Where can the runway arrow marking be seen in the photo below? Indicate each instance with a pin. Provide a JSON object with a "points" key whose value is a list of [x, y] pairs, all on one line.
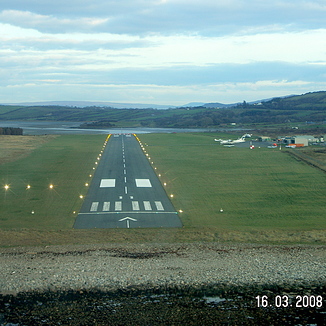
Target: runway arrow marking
{"points": [[128, 219]]}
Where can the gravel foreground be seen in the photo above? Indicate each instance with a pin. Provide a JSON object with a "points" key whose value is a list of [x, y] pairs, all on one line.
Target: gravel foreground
{"points": [[162, 284]]}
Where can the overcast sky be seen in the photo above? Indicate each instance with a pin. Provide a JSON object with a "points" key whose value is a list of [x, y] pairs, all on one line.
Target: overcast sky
{"points": [[160, 51]]}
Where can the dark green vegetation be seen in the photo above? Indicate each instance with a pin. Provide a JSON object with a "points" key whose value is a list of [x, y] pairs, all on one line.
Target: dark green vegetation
{"points": [[305, 109], [261, 189], [210, 305], [10, 131]]}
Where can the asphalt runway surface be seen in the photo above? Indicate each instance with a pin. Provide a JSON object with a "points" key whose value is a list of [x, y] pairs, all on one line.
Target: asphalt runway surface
{"points": [[125, 191]]}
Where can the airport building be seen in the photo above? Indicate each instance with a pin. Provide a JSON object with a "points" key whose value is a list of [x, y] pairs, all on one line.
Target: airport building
{"points": [[301, 140], [264, 138]]}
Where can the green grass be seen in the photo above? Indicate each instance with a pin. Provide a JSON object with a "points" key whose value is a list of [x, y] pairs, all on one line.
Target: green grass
{"points": [[266, 195], [65, 162], [260, 189]]}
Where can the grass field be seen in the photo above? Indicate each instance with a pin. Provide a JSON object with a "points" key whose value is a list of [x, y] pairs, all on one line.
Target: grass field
{"points": [[260, 189], [16, 147], [266, 195], [64, 162]]}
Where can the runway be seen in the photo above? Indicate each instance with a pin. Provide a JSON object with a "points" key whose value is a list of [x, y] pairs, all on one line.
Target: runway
{"points": [[125, 191]]}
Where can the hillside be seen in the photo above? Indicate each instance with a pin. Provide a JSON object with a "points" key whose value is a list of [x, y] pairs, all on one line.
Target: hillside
{"points": [[66, 113], [306, 109], [309, 101]]}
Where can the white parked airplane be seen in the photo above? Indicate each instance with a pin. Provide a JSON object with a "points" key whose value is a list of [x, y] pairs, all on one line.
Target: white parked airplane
{"points": [[242, 139]]}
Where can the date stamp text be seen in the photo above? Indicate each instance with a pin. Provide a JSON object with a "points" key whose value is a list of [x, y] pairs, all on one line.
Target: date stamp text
{"points": [[284, 301]]}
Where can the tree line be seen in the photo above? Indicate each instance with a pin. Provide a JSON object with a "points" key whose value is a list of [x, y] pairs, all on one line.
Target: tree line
{"points": [[11, 131]]}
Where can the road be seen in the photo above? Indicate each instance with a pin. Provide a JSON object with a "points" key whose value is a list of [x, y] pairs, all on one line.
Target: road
{"points": [[125, 191]]}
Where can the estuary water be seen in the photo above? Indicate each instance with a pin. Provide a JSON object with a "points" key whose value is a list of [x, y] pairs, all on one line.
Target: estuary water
{"points": [[68, 127]]}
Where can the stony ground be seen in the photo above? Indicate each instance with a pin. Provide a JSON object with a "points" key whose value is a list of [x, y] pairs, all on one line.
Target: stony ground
{"points": [[119, 266], [160, 284]]}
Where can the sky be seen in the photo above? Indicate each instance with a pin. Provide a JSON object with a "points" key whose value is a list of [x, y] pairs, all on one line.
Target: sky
{"points": [[169, 52]]}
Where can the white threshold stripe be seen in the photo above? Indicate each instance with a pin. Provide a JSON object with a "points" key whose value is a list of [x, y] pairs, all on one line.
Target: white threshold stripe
{"points": [[147, 206], [159, 206], [118, 206], [94, 206], [106, 206], [135, 205]]}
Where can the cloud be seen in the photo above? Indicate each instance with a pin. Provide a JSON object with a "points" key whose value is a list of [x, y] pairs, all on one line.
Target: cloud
{"points": [[108, 51], [183, 49], [16, 38], [206, 17], [204, 50], [50, 24]]}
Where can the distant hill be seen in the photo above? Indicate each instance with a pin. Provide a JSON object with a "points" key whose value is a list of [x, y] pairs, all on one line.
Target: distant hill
{"points": [[218, 105], [307, 108], [192, 104], [82, 104], [118, 105]]}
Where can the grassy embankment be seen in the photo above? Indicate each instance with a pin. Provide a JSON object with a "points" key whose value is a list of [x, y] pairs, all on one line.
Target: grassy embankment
{"points": [[266, 195]]}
